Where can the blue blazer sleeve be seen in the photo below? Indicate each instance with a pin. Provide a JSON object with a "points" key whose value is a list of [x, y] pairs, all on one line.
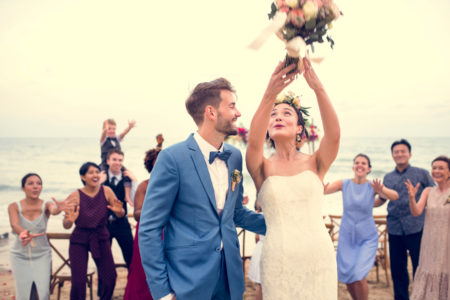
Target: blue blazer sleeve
{"points": [[248, 219], [159, 199]]}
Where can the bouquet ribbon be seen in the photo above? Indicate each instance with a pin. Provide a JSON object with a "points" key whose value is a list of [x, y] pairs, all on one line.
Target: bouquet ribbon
{"points": [[293, 46]]}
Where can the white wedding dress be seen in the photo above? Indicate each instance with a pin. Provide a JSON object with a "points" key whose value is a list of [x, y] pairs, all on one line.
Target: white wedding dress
{"points": [[298, 259]]}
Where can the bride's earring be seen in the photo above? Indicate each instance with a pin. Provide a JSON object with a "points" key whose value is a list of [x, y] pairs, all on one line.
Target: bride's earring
{"points": [[298, 139]]}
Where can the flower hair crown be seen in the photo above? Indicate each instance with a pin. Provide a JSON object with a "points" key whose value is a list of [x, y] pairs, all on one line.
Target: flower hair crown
{"points": [[293, 100]]}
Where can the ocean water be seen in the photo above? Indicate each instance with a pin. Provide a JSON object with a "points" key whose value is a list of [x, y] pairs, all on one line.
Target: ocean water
{"points": [[57, 161]]}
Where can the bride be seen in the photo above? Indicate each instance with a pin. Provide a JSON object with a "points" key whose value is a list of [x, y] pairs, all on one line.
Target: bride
{"points": [[298, 259]]}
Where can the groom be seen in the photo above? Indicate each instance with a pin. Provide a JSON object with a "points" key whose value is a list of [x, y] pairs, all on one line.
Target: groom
{"points": [[195, 196]]}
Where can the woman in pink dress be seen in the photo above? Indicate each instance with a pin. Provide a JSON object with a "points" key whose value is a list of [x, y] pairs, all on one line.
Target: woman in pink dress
{"points": [[432, 278], [137, 287]]}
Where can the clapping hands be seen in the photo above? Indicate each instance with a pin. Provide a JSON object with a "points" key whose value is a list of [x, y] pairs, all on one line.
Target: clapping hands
{"points": [[71, 213], [27, 237], [72, 209], [377, 186], [116, 207], [412, 190]]}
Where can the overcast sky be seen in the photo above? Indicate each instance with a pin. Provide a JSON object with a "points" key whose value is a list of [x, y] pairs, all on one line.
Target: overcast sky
{"points": [[65, 66]]}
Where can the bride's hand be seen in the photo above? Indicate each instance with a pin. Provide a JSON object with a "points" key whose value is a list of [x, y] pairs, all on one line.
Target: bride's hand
{"points": [[279, 80], [311, 76]]}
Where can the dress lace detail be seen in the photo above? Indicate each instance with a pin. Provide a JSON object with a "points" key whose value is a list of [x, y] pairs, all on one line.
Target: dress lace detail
{"points": [[298, 259], [432, 279]]}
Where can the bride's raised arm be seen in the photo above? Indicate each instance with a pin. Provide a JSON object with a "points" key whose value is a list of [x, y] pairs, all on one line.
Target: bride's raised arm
{"points": [[329, 144], [258, 128]]}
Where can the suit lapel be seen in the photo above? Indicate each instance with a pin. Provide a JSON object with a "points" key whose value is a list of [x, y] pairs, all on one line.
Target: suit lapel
{"points": [[202, 170], [230, 193]]}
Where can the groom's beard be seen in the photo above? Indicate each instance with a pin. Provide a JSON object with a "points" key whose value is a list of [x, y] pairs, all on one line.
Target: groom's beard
{"points": [[226, 127]]}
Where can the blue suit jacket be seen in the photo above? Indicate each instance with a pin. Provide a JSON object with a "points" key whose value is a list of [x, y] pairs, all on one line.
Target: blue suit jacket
{"points": [[180, 199]]}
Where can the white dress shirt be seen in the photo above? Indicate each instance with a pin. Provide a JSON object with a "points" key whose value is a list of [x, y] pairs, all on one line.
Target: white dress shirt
{"points": [[218, 171], [111, 175]]}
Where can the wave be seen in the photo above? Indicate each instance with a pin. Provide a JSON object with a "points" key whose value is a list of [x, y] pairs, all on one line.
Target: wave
{"points": [[4, 187]]}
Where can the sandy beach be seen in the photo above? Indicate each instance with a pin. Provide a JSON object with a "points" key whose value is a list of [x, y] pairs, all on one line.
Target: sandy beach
{"points": [[377, 290]]}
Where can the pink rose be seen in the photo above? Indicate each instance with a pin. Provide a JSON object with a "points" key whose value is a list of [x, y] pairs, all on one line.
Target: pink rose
{"points": [[281, 3], [296, 17]]}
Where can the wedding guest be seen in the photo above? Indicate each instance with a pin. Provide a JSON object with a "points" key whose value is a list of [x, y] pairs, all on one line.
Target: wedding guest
{"points": [[404, 229], [109, 139], [31, 255], [358, 236], [119, 228], [432, 279], [137, 287], [90, 212]]}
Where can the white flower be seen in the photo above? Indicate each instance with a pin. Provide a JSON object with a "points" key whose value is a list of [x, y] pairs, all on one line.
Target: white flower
{"points": [[310, 9], [292, 3]]}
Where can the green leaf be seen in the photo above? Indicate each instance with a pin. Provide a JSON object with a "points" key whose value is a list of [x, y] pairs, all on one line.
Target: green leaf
{"points": [[331, 41], [273, 11], [310, 24]]}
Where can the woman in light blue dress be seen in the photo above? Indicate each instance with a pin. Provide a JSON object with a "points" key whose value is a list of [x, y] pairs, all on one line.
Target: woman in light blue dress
{"points": [[31, 254], [358, 237]]}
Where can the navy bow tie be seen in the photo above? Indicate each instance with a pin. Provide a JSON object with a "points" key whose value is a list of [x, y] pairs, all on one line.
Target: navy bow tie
{"points": [[224, 155]]}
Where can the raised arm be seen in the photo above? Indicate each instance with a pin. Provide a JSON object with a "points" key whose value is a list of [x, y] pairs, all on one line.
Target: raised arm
{"points": [[258, 128], [333, 187], [72, 210], [131, 125], [329, 144], [56, 207], [383, 191], [417, 207], [104, 129]]}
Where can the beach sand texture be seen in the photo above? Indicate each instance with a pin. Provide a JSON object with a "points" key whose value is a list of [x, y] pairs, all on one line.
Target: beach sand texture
{"points": [[377, 291]]}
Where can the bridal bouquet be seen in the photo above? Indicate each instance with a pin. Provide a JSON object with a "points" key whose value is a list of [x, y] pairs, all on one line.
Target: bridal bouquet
{"points": [[299, 23]]}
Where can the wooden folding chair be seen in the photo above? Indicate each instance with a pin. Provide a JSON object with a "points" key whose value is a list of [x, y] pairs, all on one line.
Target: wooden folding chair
{"points": [[244, 257], [62, 273], [330, 228], [382, 257], [334, 233]]}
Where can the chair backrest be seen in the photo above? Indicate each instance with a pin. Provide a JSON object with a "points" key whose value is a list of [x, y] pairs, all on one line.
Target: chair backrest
{"points": [[330, 228], [380, 223], [63, 263], [336, 221]]}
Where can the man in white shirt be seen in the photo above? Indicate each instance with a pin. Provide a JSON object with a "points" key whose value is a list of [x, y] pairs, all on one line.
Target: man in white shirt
{"points": [[195, 196]]}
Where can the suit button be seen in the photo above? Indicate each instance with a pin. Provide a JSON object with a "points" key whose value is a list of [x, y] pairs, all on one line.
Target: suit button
{"points": [[218, 249]]}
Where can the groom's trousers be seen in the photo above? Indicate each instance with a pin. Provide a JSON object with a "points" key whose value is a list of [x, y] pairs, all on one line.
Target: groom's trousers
{"points": [[222, 290]]}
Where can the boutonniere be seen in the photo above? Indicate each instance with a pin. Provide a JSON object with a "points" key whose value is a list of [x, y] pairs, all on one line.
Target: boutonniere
{"points": [[236, 178]]}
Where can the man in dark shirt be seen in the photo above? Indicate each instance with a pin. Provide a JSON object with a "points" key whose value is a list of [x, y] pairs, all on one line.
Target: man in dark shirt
{"points": [[405, 230], [119, 228]]}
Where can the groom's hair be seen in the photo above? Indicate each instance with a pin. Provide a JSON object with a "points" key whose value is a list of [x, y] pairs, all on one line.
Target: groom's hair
{"points": [[206, 93]]}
